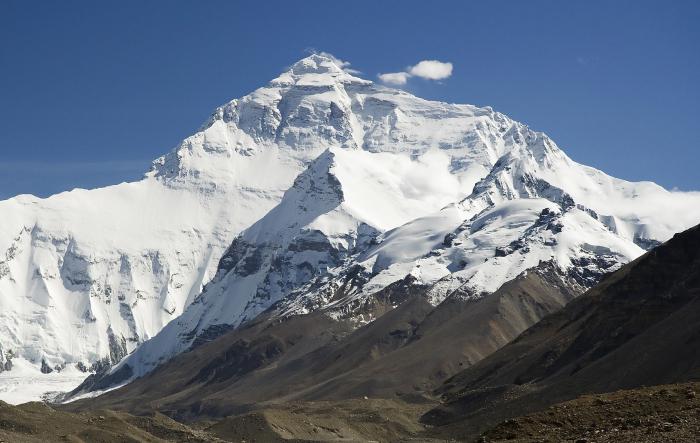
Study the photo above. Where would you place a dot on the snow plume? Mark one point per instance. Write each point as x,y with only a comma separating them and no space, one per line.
342,64
427,69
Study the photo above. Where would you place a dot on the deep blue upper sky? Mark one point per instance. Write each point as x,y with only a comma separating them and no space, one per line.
90,92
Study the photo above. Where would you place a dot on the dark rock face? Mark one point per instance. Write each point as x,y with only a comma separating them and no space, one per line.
588,271
6,360
101,379
240,358
241,255
117,347
381,302
449,239
45,368
208,334
646,243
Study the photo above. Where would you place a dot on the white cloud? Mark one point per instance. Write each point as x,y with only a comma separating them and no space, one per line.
427,69
394,78
431,69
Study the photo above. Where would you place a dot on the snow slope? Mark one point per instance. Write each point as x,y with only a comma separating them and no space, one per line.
334,210
370,176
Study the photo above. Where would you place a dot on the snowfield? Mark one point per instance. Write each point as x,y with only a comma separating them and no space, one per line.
25,383
283,193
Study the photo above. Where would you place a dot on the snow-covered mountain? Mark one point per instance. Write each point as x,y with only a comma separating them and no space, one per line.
316,179
363,216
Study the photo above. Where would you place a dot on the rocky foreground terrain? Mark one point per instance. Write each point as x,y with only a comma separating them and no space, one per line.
666,413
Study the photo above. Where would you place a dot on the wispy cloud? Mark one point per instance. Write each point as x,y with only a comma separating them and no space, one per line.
587,60
426,69
342,64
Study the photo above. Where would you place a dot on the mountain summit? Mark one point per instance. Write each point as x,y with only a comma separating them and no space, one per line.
312,193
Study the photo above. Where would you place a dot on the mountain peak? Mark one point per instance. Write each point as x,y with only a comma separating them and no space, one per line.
317,69
317,64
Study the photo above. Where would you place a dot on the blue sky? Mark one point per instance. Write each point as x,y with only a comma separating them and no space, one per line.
90,92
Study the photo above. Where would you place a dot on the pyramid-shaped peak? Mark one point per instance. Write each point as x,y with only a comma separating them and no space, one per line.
317,64
318,69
